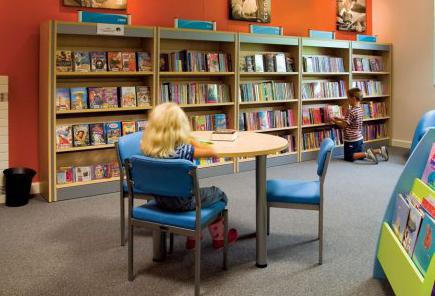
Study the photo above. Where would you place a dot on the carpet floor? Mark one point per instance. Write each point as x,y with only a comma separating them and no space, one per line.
72,247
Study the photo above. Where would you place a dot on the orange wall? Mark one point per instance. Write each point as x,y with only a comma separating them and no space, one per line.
19,35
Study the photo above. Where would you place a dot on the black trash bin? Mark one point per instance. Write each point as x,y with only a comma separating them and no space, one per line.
18,182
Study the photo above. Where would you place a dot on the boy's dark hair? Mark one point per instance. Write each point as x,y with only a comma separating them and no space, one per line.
355,93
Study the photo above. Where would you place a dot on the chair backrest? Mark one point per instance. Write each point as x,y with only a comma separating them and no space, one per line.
426,121
128,146
326,147
163,177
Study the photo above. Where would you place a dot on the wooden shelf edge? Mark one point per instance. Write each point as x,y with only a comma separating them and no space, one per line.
376,140
371,73
267,102
324,73
69,185
84,148
323,99
196,73
275,129
102,74
205,166
268,73
376,118
87,111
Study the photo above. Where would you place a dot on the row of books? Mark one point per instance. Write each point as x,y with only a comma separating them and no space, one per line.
208,161
367,63
208,122
267,62
195,61
374,109
194,92
321,63
319,89
414,225
312,140
261,120
263,91
317,114
291,139
373,131
78,98
94,134
68,175
370,87
101,61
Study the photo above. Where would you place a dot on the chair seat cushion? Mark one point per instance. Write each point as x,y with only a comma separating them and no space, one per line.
293,191
151,213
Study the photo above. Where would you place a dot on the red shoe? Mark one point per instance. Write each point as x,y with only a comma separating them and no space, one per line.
233,235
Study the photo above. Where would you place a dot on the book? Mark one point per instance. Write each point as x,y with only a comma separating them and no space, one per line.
269,63
97,134
429,205
212,62
102,18
64,137
128,96
228,135
81,135
98,61
143,96
95,96
144,62
82,174
258,63
128,127
425,246
64,61
113,132
220,121
280,63
289,64
110,97
400,216
63,99
141,125
412,229
250,64
428,176
82,61
65,175
212,93
79,98
99,171
114,169
129,61
164,62
114,61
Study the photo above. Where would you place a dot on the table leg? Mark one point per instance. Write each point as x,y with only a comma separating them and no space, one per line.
159,246
261,203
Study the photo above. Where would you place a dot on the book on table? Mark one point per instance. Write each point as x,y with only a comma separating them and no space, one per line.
229,135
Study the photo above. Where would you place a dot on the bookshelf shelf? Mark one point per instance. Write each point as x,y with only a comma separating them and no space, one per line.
375,96
315,125
242,104
74,149
325,73
323,99
195,74
276,129
75,184
376,118
204,166
376,140
187,106
317,149
101,74
87,111
370,73
261,74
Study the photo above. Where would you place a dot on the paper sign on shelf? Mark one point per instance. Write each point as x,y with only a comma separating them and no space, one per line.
110,29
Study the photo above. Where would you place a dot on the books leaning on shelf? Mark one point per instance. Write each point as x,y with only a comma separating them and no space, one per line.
264,91
367,63
291,143
374,109
208,122
79,98
428,176
320,114
261,120
209,161
195,61
321,63
194,92
374,131
228,135
69,175
101,61
370,87
322,89
267,62
312,140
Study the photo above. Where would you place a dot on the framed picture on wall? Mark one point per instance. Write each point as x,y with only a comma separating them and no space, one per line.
109,4
351,15
251,10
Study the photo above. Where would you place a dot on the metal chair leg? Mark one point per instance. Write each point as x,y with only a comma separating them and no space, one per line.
197,263
320,237
268,220
130,252
171,243
225,263
122,200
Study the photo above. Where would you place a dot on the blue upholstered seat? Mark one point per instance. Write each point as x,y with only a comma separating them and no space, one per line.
424,124
151,213
293,191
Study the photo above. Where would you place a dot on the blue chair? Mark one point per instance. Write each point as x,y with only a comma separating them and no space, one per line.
426,121
169,177
302,195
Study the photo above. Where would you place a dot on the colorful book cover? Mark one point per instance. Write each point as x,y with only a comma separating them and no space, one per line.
400,217
280,63
114,61
289,64
82,61
110,97
65,175
63,100
128,127
97,134
212,93
249,63
425,246
114,169
98,62
64,61
269,62
220,121
262,118
428,176
429,205
64,138
143,96
98,171
164,62
96,100
141,125
83,174
113,132
129,61
128,96
258,63
79,98
213,62
144,62
81,135
412,229
61,177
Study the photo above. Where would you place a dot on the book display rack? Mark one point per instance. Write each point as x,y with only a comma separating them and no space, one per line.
220,79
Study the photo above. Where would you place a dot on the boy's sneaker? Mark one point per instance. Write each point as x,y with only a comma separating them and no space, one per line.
372,156
384,153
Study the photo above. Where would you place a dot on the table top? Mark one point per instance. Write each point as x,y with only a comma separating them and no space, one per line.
247,144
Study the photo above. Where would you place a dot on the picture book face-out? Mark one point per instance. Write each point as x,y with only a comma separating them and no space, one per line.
63,100
114,61
128,96
429,172
82,61
143,96
129,61
81,135
64,61
98,62
144,61
79,98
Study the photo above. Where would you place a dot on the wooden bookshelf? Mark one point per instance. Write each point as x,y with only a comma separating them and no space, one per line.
101,74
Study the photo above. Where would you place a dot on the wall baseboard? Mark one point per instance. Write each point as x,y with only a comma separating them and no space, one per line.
35,189
401,143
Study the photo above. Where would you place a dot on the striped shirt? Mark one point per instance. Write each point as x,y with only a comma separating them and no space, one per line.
184,151
354,120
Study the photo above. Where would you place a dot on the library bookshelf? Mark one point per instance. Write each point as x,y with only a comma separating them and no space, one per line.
59,35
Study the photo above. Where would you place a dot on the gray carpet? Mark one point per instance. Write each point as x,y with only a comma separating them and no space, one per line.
72,247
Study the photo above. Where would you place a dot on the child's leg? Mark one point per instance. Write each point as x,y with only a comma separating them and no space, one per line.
383,152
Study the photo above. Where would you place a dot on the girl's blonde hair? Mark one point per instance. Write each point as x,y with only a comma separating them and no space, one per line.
167,128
